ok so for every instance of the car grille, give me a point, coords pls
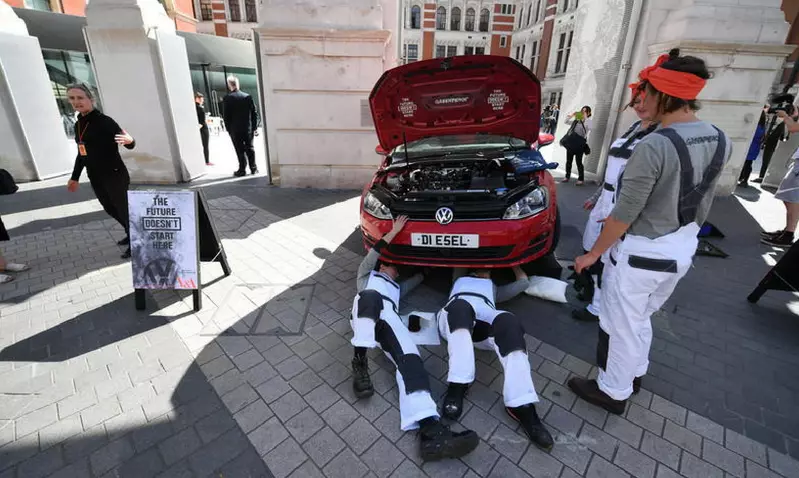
(461, 212)
(496, 252)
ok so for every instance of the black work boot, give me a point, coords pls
(453, 400)
(583, 315)
(361, 381)
(438, 442)
(589, 391)
(636, 385)
(124, 242)
(527, 416)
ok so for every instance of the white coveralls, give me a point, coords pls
(376, 323)
(620, 151)
(641, 274)
(470, 320)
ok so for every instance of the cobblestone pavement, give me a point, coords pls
(257, 383)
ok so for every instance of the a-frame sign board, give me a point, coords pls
(783, 276)
(171, 232)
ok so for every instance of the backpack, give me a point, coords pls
(7, 184)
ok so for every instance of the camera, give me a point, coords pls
(781, 103)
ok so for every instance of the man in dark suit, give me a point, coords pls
(199, 100)
(241, 121)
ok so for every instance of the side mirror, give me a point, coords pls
(545, 139)
(379, 150)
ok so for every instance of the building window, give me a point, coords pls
(411, 53)
(521, 16)
(441, 51)
(235, 10)
(469, 20)
(452, 50)
(206, 11)
(553, 98)
(564, 49)
(534, 56)
(455, 19)
(43, 5)
(416, 17)
(479, 50)
(469, 50)
(503, 41)
(251, 10)
(441, 18)
(506, 9)
(565, 5)
(521, 58)
(518, 49)
(485, 17)
(538, 11)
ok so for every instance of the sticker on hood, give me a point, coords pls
(497, 99)
(407, 107)
(451, 100)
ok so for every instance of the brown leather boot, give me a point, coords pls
(589, 391)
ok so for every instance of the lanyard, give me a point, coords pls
(80, 134)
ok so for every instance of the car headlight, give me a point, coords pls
(533, 203)
(373, 206)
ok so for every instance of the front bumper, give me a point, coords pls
(503, 243)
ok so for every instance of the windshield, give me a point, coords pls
(458, 143)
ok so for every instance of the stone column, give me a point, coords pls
(321, 59)
(781, 161)
(33, 144)
(142, 72)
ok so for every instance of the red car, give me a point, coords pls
(460, 138)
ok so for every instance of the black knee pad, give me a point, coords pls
(602, 345)
(370, 304)
(482, 330)
(508, 334)
(460, 315)
(414, 375)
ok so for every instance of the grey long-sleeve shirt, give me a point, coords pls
(502, 293)
(368, 265)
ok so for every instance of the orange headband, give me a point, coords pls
(643, 75)
(685, 86)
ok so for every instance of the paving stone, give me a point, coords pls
(307, 470)
(783, 464)
(554, 372)
(560, 395)
(155, 432)
(288, 405)
(382, 458)
(345, 465)
(41, 464)
(227, 382)
(233, 345)
(482, 396)
(645, 419)
(75, 470)
(339, 416)
(179, 446)
(277, 354)
(319, 360)
(549, 352)
(247, 360)
(111, 455)
(145, 465)
(572, 453)
(683, 437)
(598, 441)
(509, 443)
(273, 389)
(579, 367)
(305, 382)
(389, 424)
(667, 409)
(408, 470)
(304, 425)
(590, 413)
(285, 458)
(125, 423)
(482, 459)
(240, 398)
(409, 444)
(661, 450)
(323, 446)
(80, 446)
(222, 450)
(57, 432)
(753, 470)
(723, 458)
(567, 422)
(259, 374)
(693, 467)
(372, 408)
(36, 420)
(214, 425)
(189, 414)
(665, 472)
(746, 447)
(481, 422)
(335, 374)
(75, 403)
(705, 427)
(642, 398)
(253, 415)
(262, 343)
(291, 367)
(623, 430)
(268, 436)
(360, 435)
(506, 469)
(600, 468)
(445, 469)
(634, 462)
(97, 414)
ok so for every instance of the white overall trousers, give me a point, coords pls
(620, 151)
(391, 335)
(518, 388)
(641, 274)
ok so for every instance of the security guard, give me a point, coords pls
(376, 323)
(665, 193)
(471, 320)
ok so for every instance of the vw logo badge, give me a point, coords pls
(444, 216)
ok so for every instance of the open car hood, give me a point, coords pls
(460, 95)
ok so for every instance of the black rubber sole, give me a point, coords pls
(527, 434)
(364, 393)
(452, 448)
(610, 408)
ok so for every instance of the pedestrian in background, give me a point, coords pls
(754, 149)
(775, 132)
(98, 138)
(241, 121)
(199, 101)
(576, 142)
(6, 266)
(788, 193)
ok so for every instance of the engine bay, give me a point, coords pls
(490, 176)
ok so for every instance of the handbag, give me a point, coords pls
(3, 232)
(573, 142)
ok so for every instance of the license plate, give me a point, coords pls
(462, 241)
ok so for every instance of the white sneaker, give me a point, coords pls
(5, 278)
(13, 267)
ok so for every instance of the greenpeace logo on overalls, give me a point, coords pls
(701, 140)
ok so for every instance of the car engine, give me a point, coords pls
(480, 176)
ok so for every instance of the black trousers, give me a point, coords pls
(746, 171)
(242, 142)
(205, 135)
(111, 189)
(768, 152)
(579, 159)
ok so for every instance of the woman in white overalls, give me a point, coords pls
(602, 202)
(650, 237)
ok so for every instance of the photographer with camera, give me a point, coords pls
(788, 193)
(776, 131)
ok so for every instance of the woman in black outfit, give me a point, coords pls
(98, 137)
